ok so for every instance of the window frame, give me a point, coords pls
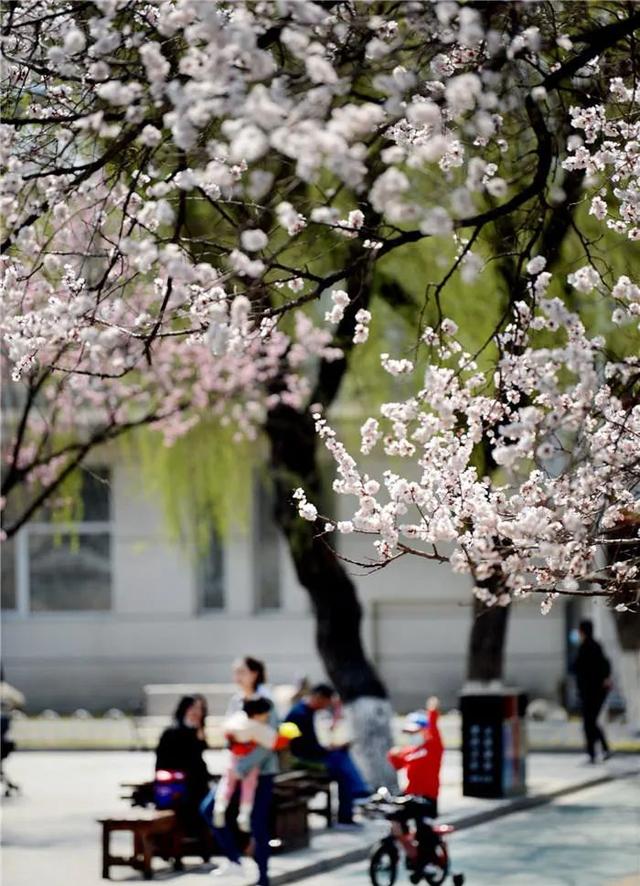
(263, 500)
(201, 609)
(22, 609)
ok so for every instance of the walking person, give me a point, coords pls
(250, 678)
(593, 676)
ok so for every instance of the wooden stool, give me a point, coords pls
(145, 825)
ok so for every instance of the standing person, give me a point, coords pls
(181, 749)
(250, 678)
(593, 676)
(336, 760)
(245, 731)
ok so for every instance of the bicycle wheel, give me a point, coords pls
(383, 865)
(436, 872)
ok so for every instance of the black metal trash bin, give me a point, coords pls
(494, 744)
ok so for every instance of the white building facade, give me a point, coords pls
(95, 610)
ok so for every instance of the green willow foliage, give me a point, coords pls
(204, 480)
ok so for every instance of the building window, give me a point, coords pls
(69, 571)
(8, 587)
(266, 540)
(63, 567)
(211, 575)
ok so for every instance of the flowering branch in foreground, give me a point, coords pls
(562, 423)
(180, 175)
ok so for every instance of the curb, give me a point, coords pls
(462, 822)
(521, 804)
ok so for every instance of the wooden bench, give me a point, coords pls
(147, 826)
(158, 833)
(306, 784)
(288, 819)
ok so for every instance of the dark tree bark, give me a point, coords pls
(294, 462)
(485, 658)
(336, 607)
(337, 611)
(628, 628)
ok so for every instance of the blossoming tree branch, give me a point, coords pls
(204, 203)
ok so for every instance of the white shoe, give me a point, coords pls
(244, 822)
(234, 872)
(219, 818)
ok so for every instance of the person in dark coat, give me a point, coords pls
(336, 761)
(181, 749)
(593, 676)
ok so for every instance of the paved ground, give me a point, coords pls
(51, 838)
(591, 838)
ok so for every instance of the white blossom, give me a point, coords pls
(253, 239)
(536, 265)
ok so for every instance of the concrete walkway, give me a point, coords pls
(51, 837)
(588, 838)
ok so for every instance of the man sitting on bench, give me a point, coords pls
(335, 761)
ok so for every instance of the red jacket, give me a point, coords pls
(422, 764)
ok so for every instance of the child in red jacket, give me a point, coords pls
(422, 759)
(421, 762)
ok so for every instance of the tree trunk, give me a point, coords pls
(485, 658)
(337, 611)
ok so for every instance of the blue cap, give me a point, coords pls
(416, 721)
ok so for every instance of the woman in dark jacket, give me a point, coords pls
(181, 749)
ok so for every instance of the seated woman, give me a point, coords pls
(180, 750)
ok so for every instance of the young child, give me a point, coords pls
(421, 762)
(422, 759)
(245, 731)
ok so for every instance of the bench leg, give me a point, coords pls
(176, 849)
(106, 855)
(147, 855)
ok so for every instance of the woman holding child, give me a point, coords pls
(259, 763)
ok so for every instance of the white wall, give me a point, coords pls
(155, 632)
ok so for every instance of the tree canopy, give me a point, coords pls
(201, 200)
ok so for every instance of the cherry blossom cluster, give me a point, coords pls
(607, 147)
(196, 198)
(205, 100)
(565, 439)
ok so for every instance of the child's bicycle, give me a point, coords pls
(429, 861)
